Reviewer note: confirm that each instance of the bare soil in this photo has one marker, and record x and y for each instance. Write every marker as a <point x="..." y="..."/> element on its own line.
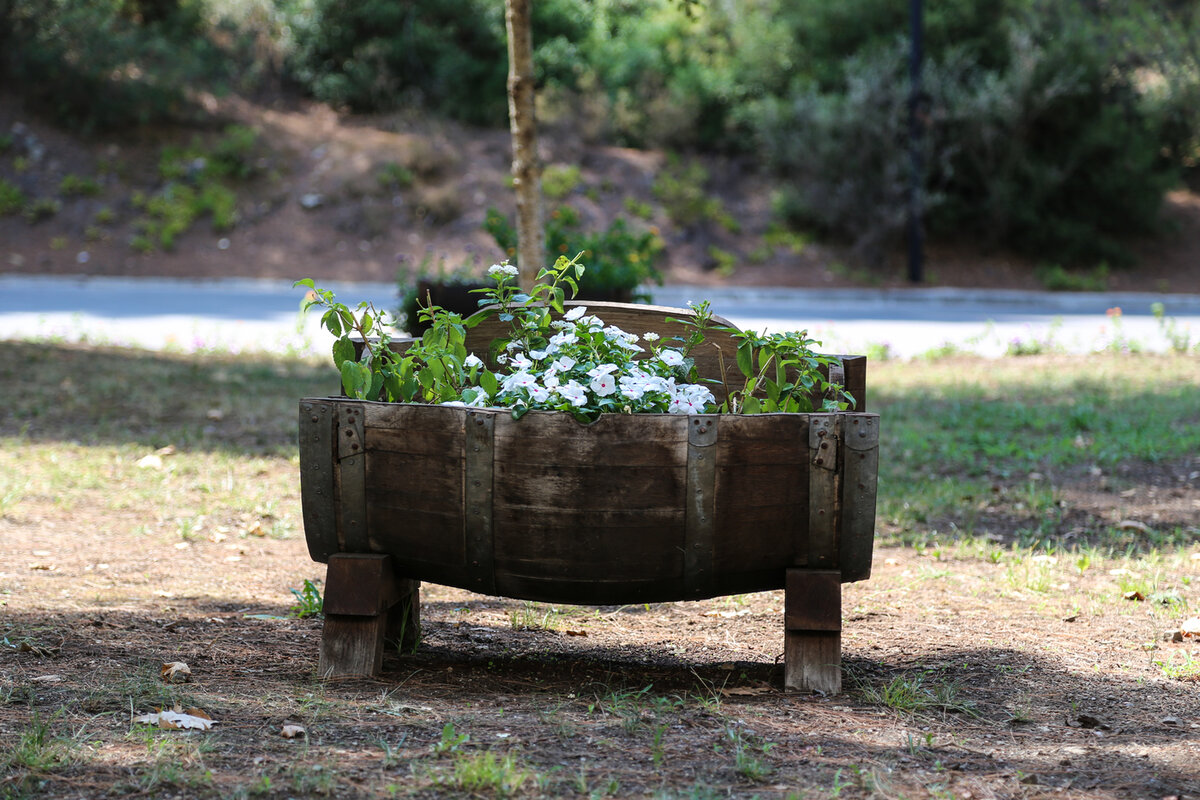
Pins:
<point x="360" y="230"/>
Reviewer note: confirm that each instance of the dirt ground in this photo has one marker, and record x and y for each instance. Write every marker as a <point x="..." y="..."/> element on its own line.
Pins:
<point x="356" y="229"/>
<point x="1021" y="690"/>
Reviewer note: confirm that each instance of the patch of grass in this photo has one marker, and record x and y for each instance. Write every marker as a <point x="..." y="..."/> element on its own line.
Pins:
<point x="917" y="693"/>
<point x="1186" y="668"/>
<point x="530" y="616"/>
<point x="486" y="772"/>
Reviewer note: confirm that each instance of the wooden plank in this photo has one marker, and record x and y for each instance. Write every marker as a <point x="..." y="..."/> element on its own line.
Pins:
<point x="351" y="480"/>
<point x="762" y="491"/>
<point x="700" y="501"/>
<point x="812" y="656"/>
<point x="360" y="584"/>
<point x="317" y="466"/>
<point x="478" y="455"/>
<point x="351" y="646"/>
<point x="859" y="482"/>
<point x="824" y="432"/>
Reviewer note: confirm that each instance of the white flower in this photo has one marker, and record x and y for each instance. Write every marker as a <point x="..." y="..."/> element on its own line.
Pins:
<point x="538" y="355"/>
<point x="521" y="361"/>
<point x="602" y="369"/>
<point x="575" y="313"/>
<point x="519" y="380"/>
<point x="681" y="404"/>
<point x="650" y="336"/>
<point x="573" y="393"/>
<point x="604" y="385"/>
<point x="502" y="270"/>
<point x="539" y="394"/>
<point x="672" y="358"/>
<point x="472" y="361"/>
<point x="563" y="363"/>
<point x="550" y="379"/>
<point x="563" y="339"/>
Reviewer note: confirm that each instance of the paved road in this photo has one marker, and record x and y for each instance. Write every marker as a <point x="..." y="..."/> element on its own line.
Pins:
<point x="263" y="315"/>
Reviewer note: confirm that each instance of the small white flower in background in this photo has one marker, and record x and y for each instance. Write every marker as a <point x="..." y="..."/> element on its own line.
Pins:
<point x="502" y="270"/>
<point x="604" y="385"/>
<point x="650" y="336"/>
<point x="575" y="313"/>
<point x="472" y="361"/>
<point x="538" y="355"/>
<point x="672" y="358"/>
<point x="563" y="339"/>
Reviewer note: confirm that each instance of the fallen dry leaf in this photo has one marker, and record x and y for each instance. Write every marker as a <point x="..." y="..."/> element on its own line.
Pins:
<point x="292" y="730"/>
<point x="192" y="719"/>
<point x="1133" y="525"/>
<point x="1190" y="627"/>
<point x="1138" y="596"/>
<point x="176" y="672"/>
<point x="150" y="462"/>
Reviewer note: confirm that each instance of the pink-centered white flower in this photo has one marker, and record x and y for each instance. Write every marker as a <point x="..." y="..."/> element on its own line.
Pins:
<point x="573" y="393"/>
<point x="672" y="358"/>
<point x="604" y="385"/>
<point x="602" y="369"/>
<point x="575" y="313"/>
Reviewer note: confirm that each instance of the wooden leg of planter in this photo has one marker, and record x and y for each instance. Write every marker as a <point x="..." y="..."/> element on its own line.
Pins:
<point x="812" y="654"/>
<point x="360" y="591"/>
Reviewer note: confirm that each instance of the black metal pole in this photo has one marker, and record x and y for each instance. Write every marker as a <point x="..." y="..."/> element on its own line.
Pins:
<point x="916" y="125"/>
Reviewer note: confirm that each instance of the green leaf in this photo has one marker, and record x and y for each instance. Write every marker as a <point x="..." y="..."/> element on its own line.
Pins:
<point x="355" y="379"/>
<point x="368" y="323"/>
<point x="343" y="350"/>
<point x="304" y="282"/>
<point x="752" y="406"/>
<point x="488" y="381"/>
<point x="332" y="322"/>
<point x="745" y="358"/>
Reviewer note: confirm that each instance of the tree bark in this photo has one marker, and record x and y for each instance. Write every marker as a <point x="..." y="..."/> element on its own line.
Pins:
<point x="526" y="171"/>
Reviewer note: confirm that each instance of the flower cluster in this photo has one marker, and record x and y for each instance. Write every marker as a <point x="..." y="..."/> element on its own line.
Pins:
<point x="586" y="367"/>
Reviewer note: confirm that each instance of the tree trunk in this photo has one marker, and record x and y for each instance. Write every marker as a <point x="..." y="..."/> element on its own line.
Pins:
<point x="531" y="236"/>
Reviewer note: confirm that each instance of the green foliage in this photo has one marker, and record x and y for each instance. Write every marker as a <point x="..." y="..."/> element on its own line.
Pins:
<point x="1057" y="279"/>
<point x="680" y="187"/>
<point x="108" y="64"/>
<point x="559" y="180"/>
<point x="74" y="186"/>
<point x="449" y="56"/>
<point x="619" y="258"/>
<point x="309" y="602"/>
<point x="1049" y="145"/>
<point x="12" y="199"/>
<point x="198" y="180"/>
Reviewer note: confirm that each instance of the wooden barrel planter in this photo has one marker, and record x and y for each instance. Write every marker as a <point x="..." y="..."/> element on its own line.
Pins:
<point x="628" y="509"/>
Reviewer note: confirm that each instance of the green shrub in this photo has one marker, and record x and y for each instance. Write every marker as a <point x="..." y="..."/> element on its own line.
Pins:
<point x="106" y="64"/>
<point x="1055" y="153"/>
<point x="448" y="55"/>
<point x="618" y="259"/>
<point x="12" y="199"/>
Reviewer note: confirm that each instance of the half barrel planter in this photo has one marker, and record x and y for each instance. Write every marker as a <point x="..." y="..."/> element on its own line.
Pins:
<point x="628" y="509"/>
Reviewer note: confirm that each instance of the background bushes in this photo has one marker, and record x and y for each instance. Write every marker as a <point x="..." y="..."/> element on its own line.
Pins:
<point x="1053" y="127"/>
